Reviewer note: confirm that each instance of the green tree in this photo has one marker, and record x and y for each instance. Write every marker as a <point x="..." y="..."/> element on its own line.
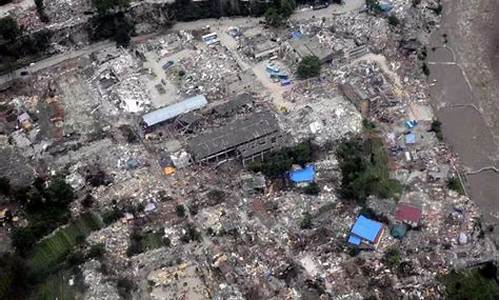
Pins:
<point x="287" y="7"/>
<point x="373" y="5"/>
<point x="23" y="240"/>
<point x="310" y="66"/>
<point x="180" y="211"/>
<point x="470" y="285"/>
<point x="59" y="192"/>
<point x="40" y="8"/>
<point x="426" y="69"/>
<point x="273" y="17"/>
<point x="454" y="184"/>
<point x="393" y="20"/>
<point x="96" y="251"/>
<point x="436" y="128"/>
<point x="122" y="36"/>
<point x="363" y="164"/>
<point x="105" y="6"/>
<point x="9" y="30"/>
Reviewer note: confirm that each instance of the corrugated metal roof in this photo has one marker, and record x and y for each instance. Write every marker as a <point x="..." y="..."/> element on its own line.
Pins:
<point x="303" y="175"/>
<point x="406" y="212"/>
<point x="366" y="229"/>
<point x="233" y="135"/>
<point x="174" y="110"/>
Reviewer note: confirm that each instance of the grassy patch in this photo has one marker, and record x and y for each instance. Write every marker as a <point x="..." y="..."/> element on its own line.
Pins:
<point x="51" y="251"/>
<point x="55" y="287"/>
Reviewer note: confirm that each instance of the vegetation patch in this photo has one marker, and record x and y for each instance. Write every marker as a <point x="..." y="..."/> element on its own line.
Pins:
<point x="455" y="185"/>
<point x="436" y="128"/>
<point x="309" y="66"/>
<point x="145" y="241"/>
<point x="475" y="284"/>
<point x="53" y="250"/>
<point x="365" y="172"/>
<point x="277" y="163"/>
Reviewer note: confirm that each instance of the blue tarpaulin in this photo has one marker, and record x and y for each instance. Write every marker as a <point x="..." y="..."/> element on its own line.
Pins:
<point x="303" y="175"/>
<point x="410" y="138"/>
<point x="366" y="229"/>
<point x="296" y="35"/>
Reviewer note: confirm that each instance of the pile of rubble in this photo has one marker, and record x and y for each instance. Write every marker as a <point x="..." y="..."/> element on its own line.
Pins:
<point x="323" y="119"/>
<point x="207" y="72"/>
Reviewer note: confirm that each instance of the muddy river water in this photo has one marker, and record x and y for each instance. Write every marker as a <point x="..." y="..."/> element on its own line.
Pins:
<point x="458" y="106"/>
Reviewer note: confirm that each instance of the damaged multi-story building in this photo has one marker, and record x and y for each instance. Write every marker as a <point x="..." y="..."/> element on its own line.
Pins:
<point x="248" y="139"/>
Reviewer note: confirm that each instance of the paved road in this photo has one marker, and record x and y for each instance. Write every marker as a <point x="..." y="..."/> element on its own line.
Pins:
<point x="54" y="60"/>
<point x="221" y="23"/>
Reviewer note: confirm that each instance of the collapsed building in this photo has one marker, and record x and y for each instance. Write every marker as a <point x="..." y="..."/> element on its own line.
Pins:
<point x="299" y="47"/>
<point x="168" y="113"/>
<point x="247" y="139"/>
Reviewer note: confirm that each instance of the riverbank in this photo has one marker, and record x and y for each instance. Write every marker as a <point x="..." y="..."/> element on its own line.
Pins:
<point x="465" y="95"/>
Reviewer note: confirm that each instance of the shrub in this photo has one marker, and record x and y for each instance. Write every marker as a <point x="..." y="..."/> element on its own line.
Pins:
<point x="104" y="6"/>
<point x="392" y="257"/>
<point x="125" y="286"/>
<point x="306" y="222"/>
<point x="426" y="70"/>
<point x="309" y="66"/>
<point x="436" y="128"/>
<point x="112" y="216"/>
<point x="455" y="185"/>
<point x="75" y="259"/>
<point x="180" y="211"/>
<point x="96" y="251"/>
<point x="312" y="189"/>
<point x="191" y="234"/>
<point x="393" y="20"/>
<point x="368" y="125"/>
<point x="4" y="186"/>
<point x="471" y="285"/>
<point x="88" y="201"/>
<point x="9" y="29"/>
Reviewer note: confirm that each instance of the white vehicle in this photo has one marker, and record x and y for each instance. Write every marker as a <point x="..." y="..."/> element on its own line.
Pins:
<point x="210" y="39"/>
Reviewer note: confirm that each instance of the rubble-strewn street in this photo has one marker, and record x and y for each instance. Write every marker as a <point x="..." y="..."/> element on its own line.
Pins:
<point x="215" y="170"/>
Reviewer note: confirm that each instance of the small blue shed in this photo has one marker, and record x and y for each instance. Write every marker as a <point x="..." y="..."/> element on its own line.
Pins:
<point x="303" y="175"/>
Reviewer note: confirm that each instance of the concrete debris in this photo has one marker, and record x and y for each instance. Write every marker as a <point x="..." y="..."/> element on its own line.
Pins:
<point x="210" y="227"/>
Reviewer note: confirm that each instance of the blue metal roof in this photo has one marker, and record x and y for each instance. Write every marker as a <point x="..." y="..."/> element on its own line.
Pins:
<point x="174" y="110"/>
<point x="303" y="175"/>
<point x="354" y="240"/>
<point x="366" y="229"/>
<point x="410" y="138"/>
